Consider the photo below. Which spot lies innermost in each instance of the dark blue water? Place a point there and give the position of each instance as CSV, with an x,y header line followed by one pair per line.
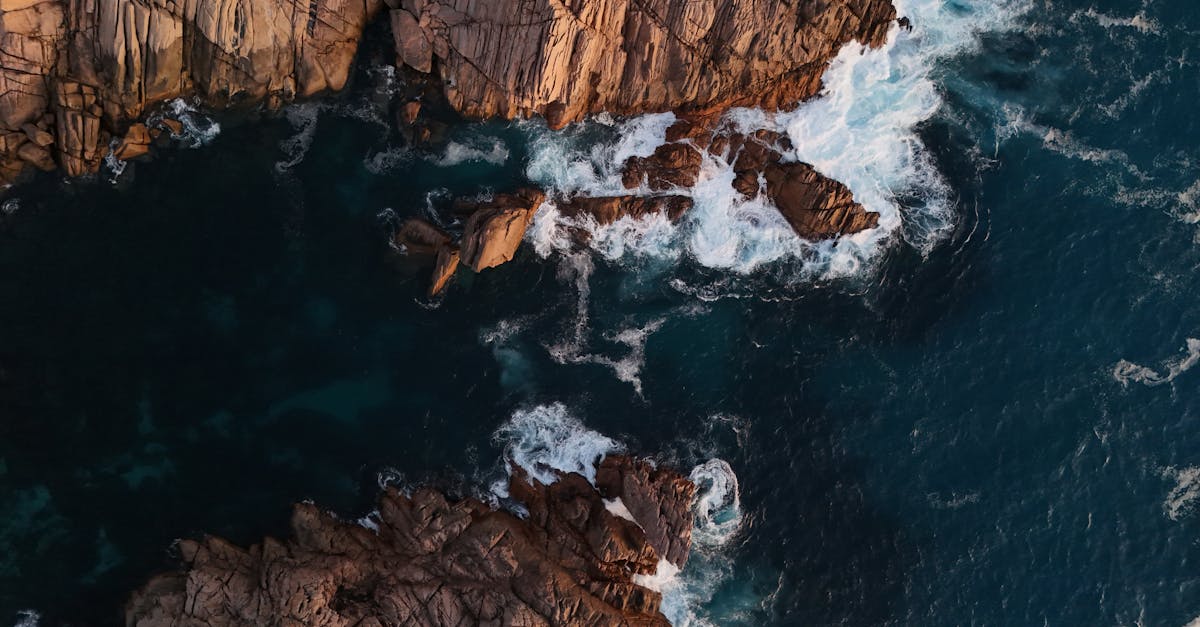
x,y
1001,429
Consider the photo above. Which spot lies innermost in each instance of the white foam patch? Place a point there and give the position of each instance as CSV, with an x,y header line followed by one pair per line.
x,y
28,618
198,129
547,440
1126,372
1139,22
617,508
1181,499
862,132
572,348
303,118
477,151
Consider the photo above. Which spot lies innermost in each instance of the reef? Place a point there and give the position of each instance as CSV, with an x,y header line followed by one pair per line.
x,y
574,553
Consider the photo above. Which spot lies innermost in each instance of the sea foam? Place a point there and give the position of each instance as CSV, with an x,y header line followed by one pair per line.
x,y
861,131
1126,372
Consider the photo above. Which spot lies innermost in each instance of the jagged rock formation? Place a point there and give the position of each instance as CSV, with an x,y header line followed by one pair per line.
x,y
495,227
609,209
77,71
816,206
564,59
574,560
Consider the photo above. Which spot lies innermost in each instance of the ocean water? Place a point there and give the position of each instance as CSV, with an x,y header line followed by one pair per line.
x,y
983,412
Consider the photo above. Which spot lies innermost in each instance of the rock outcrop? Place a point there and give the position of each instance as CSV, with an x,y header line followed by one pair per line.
x,y
496,227
78,71
423,559
564,59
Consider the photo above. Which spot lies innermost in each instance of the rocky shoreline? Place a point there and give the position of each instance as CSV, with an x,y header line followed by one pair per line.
x,y
79,78
578,554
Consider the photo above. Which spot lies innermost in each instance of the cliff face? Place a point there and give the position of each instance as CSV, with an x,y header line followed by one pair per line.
x,y
432,561
74,71
564,59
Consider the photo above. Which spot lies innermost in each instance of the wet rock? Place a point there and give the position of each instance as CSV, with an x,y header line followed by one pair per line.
x,y
172,126
609,209
135,143
447,263
410,111
816,206
429,560
420,236
671,165
496,227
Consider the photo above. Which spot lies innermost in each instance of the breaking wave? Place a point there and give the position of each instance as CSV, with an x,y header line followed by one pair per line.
x,y
861,131
546,440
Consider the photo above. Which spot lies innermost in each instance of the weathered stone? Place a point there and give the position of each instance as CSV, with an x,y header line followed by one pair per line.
x,y
37,156
566,59
816,206
420,236
671,165
447,263
410,111
609,209
98,64
496,227
431,561
37,135
135,143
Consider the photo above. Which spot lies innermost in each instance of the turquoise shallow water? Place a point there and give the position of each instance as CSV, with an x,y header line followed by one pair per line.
x,y
1001,431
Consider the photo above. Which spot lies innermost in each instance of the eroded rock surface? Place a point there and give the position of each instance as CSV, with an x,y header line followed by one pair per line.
x,y
496,227
434,561
78,71
564,59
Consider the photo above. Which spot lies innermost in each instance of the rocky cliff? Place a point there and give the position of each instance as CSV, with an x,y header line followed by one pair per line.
x,y
76,76
575,559
75,72
564,59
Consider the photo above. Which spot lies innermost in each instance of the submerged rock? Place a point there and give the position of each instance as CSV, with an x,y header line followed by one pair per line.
x,y
428,560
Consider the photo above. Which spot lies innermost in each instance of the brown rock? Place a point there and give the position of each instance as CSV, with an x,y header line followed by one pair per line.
x,y
174,127
609,209
410,111
37,156
495,229
671,165
432,561
564,60
136,143
37,135
447,263
97,64
817,207
420,236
